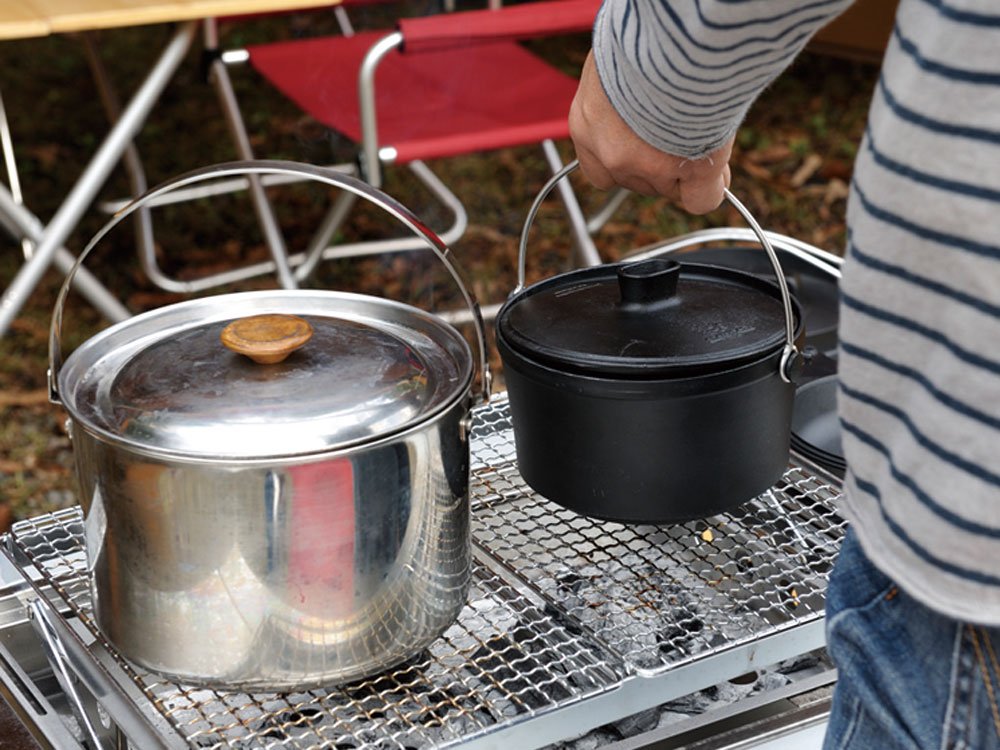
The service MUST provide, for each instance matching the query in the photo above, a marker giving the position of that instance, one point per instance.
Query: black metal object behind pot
(815, 427)
(816, 430)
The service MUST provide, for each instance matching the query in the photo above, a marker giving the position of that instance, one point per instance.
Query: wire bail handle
(275, 167)
(790, 353)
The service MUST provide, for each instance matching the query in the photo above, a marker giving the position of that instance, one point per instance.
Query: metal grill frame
(590, 674)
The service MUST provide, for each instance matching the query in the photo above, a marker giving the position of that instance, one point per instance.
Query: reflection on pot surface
(275, 483)
(278, 576)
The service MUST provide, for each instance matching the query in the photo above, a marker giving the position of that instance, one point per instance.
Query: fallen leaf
(149, 300)
(31, 328)
(48, 154)
(836, 190)
(24, 398)
(488, 233)
(769, 155)
(837, 169)
(707, 535)
(809, 167)
(757, 172)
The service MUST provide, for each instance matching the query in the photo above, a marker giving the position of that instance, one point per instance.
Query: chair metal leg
(139, 184)
(10, 164)
(332, 222)
(22, 224)
(597, 221)
(350, 249)
(26, 227)
(449, 236)
(265, 213)
(143, 222)
(343, 20)
(324, 233)
(219, 187)
(582, 243)
(444, 194)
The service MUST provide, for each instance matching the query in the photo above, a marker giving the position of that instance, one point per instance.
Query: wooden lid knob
(266, 339)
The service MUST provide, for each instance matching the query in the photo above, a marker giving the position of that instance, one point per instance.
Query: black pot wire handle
(790, 355)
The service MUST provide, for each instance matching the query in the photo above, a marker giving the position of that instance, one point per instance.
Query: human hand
(611, 154)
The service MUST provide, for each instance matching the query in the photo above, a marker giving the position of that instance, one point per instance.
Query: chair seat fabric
(430, 105)
(539, 18)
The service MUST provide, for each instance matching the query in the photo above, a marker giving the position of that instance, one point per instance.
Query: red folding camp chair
(439, 86)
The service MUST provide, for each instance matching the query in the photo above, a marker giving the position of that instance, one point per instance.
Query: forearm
(683, 73)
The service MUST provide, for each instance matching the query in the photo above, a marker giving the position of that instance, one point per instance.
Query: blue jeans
(908, 677)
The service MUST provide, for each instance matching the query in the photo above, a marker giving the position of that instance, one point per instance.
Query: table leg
(23, 224)
(94, 175)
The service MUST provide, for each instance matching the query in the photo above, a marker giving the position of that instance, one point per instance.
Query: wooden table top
(30, 18)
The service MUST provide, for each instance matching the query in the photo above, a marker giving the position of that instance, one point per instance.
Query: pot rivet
(266, 339)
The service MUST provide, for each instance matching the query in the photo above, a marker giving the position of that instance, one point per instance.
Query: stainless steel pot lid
(164, 382)
(651, 318)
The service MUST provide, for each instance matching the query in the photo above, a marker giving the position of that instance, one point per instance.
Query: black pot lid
(650, 318)
(816, 291)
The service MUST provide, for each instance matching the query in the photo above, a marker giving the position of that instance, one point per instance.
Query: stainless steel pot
(283, 525)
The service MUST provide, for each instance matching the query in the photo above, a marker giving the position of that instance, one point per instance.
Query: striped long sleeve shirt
(919, 355)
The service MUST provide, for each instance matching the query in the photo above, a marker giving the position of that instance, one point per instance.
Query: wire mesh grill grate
(562, 609)
(662, 596)
(503, 659)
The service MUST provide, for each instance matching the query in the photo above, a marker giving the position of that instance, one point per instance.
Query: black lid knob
(648, 283)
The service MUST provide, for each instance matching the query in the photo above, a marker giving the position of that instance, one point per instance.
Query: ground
(791, 166)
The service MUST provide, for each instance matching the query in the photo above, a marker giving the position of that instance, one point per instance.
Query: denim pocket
(852, 727)
(973, 718)
(855, 582)
(871, 640)
(908, 677)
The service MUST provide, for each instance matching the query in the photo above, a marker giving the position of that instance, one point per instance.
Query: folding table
(33, 18)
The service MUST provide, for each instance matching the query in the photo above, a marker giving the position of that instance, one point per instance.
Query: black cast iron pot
(652, 391)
